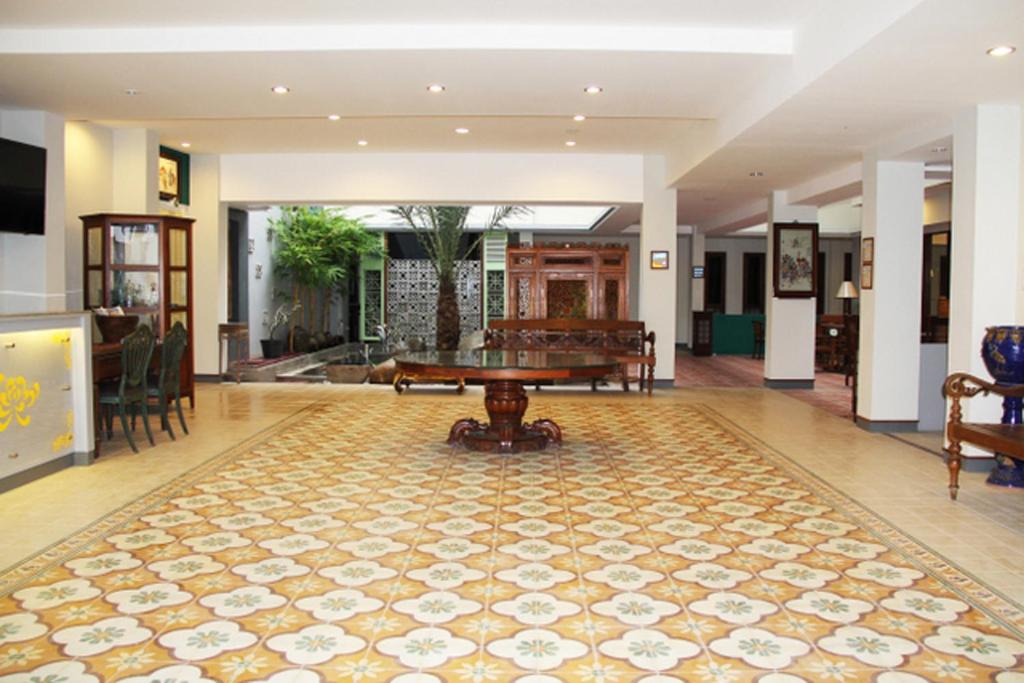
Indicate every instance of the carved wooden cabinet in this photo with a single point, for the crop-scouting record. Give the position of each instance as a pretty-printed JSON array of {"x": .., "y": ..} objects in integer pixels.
[
  {"x": 143, "y": 263},
  {"x": 568, "y": 281}
]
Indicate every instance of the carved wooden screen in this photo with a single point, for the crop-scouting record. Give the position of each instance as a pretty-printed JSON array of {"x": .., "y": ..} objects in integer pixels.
[{"x": 568, "y": 281}]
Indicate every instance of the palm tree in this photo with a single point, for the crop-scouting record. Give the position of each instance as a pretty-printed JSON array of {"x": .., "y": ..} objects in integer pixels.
[{"x": 439, "y": 230}]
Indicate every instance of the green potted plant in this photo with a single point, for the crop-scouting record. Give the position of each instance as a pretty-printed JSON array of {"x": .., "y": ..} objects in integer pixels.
[
  {"x": 439, "y": 230},
  {"x": 316, "y": 249}
]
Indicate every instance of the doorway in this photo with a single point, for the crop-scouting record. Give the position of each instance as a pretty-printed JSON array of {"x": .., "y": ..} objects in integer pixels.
[
  {"x": 753, "y": 283},
  {"x": 238, "y": 266},
  {"x": 714, "y": 281}
]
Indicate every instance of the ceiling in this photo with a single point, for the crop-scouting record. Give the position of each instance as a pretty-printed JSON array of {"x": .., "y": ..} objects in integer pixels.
[{"x": 790, "y": 89}]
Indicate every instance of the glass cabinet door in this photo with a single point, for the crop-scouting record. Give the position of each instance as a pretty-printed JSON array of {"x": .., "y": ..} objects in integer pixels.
[
  {"x": 177, "y": 276},
  {"x": 135, "y": 244}
]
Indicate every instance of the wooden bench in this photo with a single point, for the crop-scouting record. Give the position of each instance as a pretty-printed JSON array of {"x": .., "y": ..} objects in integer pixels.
[
  {"x": 627, "y": 341},
  {"x": 1000, "y": 438}
]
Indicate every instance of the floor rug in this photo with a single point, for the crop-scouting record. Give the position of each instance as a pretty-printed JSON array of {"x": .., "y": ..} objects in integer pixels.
[{"x": 660, "y": 543}]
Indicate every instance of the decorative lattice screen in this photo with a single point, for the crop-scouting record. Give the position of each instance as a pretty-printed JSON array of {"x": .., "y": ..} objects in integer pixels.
[{"x": 412, "y": 299}]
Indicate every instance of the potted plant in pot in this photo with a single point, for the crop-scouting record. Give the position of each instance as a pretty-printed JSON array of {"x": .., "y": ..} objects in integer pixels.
[{"x": 274, "y": 348}]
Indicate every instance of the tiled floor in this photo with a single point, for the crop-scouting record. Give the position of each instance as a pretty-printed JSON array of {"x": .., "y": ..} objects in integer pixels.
[
  {"x": 664, "y": 542},
  {"x": 831, "y": 392}
]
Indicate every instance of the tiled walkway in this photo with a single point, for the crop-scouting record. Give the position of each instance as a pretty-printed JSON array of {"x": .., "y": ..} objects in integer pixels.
[
  {"x": 830, "y": 393},
  {"x": 664, "y": 542}
]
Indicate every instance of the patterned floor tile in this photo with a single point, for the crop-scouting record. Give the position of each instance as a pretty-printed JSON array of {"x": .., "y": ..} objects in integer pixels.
[{"x": 330, "y": 550}]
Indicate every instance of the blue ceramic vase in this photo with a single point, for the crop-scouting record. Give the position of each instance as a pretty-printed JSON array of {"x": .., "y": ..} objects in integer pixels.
[{"x": 1002, "y": 349}]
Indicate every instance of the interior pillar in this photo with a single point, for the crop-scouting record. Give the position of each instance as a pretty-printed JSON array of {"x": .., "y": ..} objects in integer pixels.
[
  {"x": 986, "y": 247},
  {"x": 136, "y": 171},
  {"x": 697, "y": 249},
  {"x": 658, "y": 287},
  {"x": 789, "y": 323},
  {"x": 888, "y": 368},
  {"x": 210, "y": 260}
]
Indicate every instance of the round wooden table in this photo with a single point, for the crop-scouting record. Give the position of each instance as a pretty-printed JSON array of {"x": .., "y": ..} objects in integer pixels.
[{"x": 503, "y": 373}]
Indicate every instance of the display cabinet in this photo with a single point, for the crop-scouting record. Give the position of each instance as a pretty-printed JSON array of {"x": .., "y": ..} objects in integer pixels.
[
  {"x": 574, "y": 281},
  {"x": 143, "y": 263}
]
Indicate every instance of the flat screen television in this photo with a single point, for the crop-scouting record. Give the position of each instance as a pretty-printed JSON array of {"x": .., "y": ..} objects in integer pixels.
[{"x": 22, "y": 187}]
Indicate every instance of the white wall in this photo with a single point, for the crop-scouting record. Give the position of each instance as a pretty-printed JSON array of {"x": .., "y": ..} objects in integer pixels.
[
  {"x": 88, "y": 168},
  {"x": 261, "y": 290},
  {"x": 430, "y": 178},
  {"x": 734, "y": 248},
  {"x": 32, "y": 277}
]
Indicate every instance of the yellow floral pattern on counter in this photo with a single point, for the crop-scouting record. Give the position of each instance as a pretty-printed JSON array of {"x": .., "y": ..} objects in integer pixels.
[
  {"x": 67, "y": 438},
  {"x": 16, "y": 397},
  {"x": 64, "y": 338}
]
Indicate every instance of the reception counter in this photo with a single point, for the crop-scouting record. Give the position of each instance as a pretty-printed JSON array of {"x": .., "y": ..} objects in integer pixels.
[{"x": 46, "y": 403}]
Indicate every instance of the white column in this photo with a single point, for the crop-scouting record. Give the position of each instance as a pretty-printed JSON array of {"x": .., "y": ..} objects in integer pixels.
[
  {"x": 697, "y": 248},
  {"x": 658, "y": 287},
  {"x": 987, "y": 224},
  {"x": 136, "y": 171},
  {"x": 789, "y": 323},
  {"x": 210, "y": 253},
  {"x": 889, "y": 361}
]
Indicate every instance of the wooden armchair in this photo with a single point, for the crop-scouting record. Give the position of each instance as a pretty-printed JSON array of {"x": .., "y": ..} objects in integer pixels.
[{"x": 1000, "y": 438}]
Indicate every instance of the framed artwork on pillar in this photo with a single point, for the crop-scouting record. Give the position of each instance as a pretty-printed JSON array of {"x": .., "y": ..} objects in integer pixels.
[
  {"x": 867, "y": 276},
  {"x": 795, "y": 262},
  {"x": 659, "y": 260},
  {"x": 867, "y": 250}
]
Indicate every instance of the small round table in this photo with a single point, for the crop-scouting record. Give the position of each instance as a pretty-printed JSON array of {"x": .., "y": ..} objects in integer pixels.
[{"x": 504, "y": 398}]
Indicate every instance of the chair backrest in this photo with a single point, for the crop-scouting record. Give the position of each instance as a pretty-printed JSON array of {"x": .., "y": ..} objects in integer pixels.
[
  {"x": 136, "y": 352},
  {"x": 173, "y": 349}
]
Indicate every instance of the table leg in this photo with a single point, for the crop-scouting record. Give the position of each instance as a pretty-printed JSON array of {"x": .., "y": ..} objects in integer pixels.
[{"x": 506, "y": 403}]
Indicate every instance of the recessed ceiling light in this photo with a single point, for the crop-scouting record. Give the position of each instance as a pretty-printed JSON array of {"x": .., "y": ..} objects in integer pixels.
[
  {"x": 593, "y": 89},
  {"x": 756, "y": 174},
  {"x": 436, "y": 87},
  {"x": 579, "y": 117},
  {"x": 1001, "y": 50},
  {"x": 131, "y": 92},
  {"x": 333, "y": 117},
  {"x": 186, "y": 144},
  {"x": 280, "y": 89},
  {"x": 570, "y": 143},
  {"x": 462, "y": 131},
  {"x": 362, "y": 143}
]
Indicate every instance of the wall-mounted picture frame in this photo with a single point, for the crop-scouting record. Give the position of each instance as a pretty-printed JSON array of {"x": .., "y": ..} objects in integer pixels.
[
  {"x": 795, "y": 260},
  {"x": 867, "y": 276},
  {"x": 169, "y": 178},
  {"x": 174, "y": 176},
  {"x": 659, "y": 260},
  {"x": 867, "y": 250}
]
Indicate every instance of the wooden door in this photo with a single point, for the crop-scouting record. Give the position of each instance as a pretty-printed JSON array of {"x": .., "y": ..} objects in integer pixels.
[{"x": 567, "y": 296}]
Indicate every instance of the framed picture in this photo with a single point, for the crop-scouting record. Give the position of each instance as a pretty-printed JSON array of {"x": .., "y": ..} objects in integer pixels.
[
  {"x": 173, "y": 182},
  {"x": 867, "y": 276},
  {"x": 867, "y": 250},
  {"x": 795, "y": 271},
  {"x": 169, "y": 178},
  {"x": 659, "y": 260}
]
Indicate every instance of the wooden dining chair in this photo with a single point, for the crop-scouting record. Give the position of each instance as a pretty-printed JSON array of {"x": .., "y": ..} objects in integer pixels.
[
  {"x": 168, "y": 382},
  {"x": 131, "y": 390}
]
